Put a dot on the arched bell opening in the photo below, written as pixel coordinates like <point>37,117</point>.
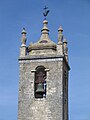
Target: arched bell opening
<point>40,82</point>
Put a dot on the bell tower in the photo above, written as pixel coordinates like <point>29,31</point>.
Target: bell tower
<point>43,84</point>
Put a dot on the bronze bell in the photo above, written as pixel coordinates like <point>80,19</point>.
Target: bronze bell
<point>40,88</point>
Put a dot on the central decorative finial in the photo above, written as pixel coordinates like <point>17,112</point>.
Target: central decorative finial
<point>46,11</point>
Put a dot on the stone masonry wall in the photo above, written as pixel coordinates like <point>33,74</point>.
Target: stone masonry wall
<point>49,108</point>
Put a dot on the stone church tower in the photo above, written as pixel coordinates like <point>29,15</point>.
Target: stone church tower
<point>43,85</point>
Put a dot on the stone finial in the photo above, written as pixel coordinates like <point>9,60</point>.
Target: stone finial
<point>60,35</point>
<point>23,39</point>
<point>65,46</point>
<point>45,30</point>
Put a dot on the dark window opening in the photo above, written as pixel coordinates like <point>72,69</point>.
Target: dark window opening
<point>40,82</point>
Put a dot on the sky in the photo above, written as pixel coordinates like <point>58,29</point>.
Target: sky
<point>74,17</point>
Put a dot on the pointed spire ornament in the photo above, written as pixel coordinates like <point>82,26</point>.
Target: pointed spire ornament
<point>45,29</point>
<point>65,46</point>
<point>60,35</point>
<point>23,39</point>
<point>44,33</point>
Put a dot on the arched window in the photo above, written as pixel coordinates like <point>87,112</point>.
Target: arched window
<point>40,82</point>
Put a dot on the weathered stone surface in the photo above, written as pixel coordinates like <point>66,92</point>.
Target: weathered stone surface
<point>45,108</point>
<point>55,105</point>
